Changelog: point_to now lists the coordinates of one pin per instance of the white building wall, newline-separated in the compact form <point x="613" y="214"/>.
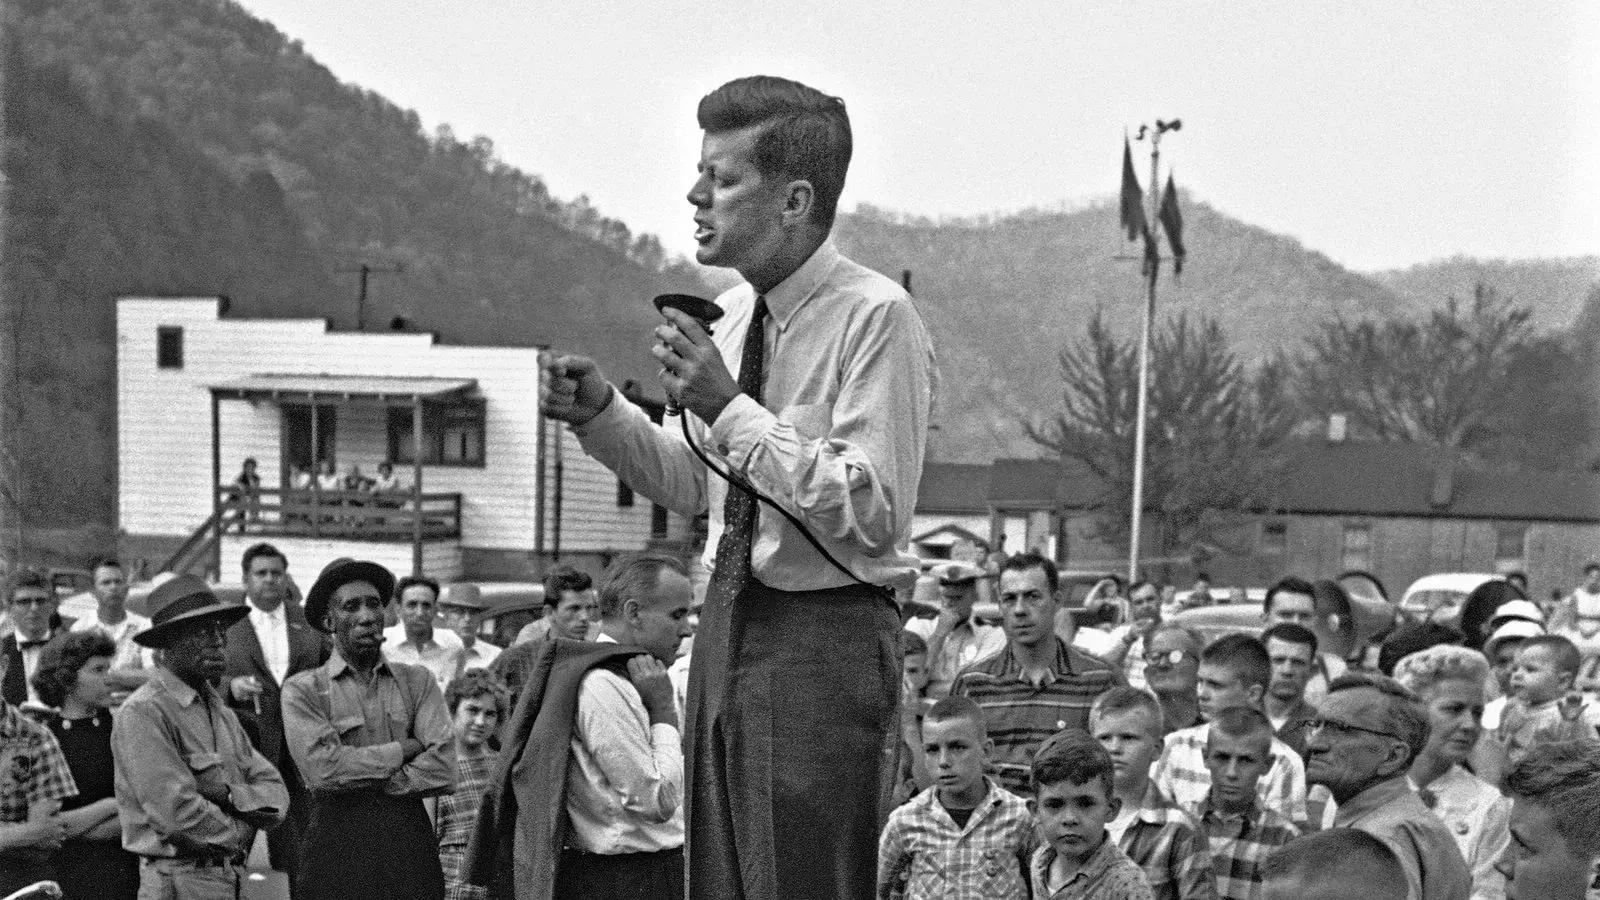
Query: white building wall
<point x="441" y="560"/>
<point x="164" y="425"/>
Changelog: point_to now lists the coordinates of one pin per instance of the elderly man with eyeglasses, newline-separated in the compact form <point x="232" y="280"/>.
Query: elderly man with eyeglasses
<point x="1360" y="746"/>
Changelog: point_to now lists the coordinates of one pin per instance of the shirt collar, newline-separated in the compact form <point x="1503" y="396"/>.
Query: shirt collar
<point x="337" y="665"/>
<point x="603" y="638"/>
<point x="1380" y="794"/>
<point x="1097" y="863"/>
<point x="1154" y="808"/>
<point x="175" y="686"/>
<point x="786" y="298"/>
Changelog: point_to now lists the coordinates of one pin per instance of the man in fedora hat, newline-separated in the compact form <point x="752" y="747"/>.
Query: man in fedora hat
<point x="191" y="790"/>
<point x="372" y="738"/>
<point x="461" y="606"/>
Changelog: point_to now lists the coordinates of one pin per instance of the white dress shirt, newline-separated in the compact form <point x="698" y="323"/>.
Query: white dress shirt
<point x="838" y="440"/>
<point x="272" y="632"/>
<point x="625" y="776"/>
<point x="437" y="654"/>
<point x="129" y="655"/>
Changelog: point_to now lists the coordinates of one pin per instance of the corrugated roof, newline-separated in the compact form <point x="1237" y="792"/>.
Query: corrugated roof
<point x="1043" y="484"/>
<point x="340" y="387"/>
<point x="954" y="488"/>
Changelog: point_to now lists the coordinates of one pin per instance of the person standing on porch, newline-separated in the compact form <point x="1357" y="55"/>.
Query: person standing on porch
<point x="815" y="394"/>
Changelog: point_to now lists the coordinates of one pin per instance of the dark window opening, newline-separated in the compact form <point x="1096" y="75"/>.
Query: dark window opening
<point x="169" y="346"/>
<point x="452" y="434"/>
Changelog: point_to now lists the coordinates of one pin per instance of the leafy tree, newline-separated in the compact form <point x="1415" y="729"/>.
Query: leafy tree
<point x="1216" y="432"/>
<point x="1438" y="379"/>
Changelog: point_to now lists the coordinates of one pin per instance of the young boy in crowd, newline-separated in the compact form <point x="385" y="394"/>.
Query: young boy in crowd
<point x="1543" y="706"/>
<point x="1074" y="786"/>
<point x="477" y="701"/>
<point x="1159" y="837"/>
<point x="965" y="837"/>
<point x="1240" y="831"/>
<point x="911" y="775"/>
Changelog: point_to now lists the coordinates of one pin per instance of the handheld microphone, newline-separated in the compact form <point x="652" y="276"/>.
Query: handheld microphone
<point x="699" y="309"/>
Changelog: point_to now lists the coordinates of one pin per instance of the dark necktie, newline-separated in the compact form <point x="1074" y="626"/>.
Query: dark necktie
<point x="732" y="571"/>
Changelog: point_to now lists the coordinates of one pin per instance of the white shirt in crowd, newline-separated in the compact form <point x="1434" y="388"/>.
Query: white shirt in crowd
<point x="129" y="655"/>
<point x="272" y="632"/>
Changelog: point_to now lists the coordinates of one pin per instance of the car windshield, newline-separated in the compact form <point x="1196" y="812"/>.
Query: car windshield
<point x="1434" y="603"/>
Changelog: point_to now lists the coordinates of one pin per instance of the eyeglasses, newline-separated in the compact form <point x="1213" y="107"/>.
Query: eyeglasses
<point x="1341" y="729"/>
<point x="1167" y="658"/>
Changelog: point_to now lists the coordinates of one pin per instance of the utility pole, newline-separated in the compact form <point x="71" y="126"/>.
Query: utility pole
<point x="367" y="270"/>
<point x="1153" y="271"/>
<point x="10" y="344"/>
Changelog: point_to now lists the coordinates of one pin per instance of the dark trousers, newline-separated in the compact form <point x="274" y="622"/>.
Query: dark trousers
<point x="792" y="699"/>
<point x="364" y="845"/>
<point x="621" y="876"/>
<point x="283" y="842"/>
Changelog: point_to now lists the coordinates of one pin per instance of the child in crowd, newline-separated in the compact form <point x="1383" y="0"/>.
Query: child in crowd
<point x="477" y="701"/>
<point x="1336" y="864"/>
<point x="911" y="775"/>
<point x="1543" y="706"/>
<point x="1159" y="837"/>
<point x="1240" y="831"/>
<point x="1074" y="786"/>
<point x="965" y="837"/>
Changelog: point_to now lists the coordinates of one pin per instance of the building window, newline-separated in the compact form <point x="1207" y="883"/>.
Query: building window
<point x="1510" y="548"/>
<point x="1274" y="537"/>
<point x="452" y="434"/>
<point x="1357" y="548"/>
<point x="169" y="346"/>
<point x="624" y="494"/>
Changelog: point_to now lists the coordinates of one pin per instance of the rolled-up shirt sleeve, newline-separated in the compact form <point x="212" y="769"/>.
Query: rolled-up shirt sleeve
<point x="647" y="457"/>
<point x="433" y="771"/>
<point x="853" y="475"/>
<point x="153" y="773"/>
<point x="326" y="762"/>
<point x="644" y="769"/>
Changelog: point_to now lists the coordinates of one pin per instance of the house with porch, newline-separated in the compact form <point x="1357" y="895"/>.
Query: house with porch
<point x="489" y="489"/>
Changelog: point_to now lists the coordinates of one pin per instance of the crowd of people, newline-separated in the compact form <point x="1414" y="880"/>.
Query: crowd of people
<point x="307" y="486"/>
<point x="373" y="735"/>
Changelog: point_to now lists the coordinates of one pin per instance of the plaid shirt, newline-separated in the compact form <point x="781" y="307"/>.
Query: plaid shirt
<point x="923" y="855"/>
<point x="1107" y="874"/>
<point x="1182" y="776"/>
<point x="457" y="814"/>
<point x="1020" y="715"/>
<point x="1239" y="845"/>
<point x="33" y="769"/>
<point x="1166" y="843"/>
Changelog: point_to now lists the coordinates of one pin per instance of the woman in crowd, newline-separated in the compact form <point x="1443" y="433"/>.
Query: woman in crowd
<point x="91" y="864"/>
<point x="477" y="700"/>
<point x="1450" y="680"/>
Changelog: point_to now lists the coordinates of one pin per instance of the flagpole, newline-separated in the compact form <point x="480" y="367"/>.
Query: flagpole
<point x="1152" y="273"/>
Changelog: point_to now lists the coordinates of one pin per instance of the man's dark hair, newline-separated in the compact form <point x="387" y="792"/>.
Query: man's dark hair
<point x="1564" y="778"/>
<point x="1591" y="566"/>
<point x="1413" y="638"/>
<point x="1022" y="562"/>
<point x="411" y="581"/>
<point x="1242" y="655"/>
<point x="1142" y="582"/>
<point x="1403" y="715"/>
<point x="805" y="134"/>
<point x="1290" y="584"/>
<point x="912" y="644"/>
<point x="61" y="659"/>
<point x="1074" y="756"/>
<point x="958" y="708"/>
<point x="563" y="578"/>
<point x="1291" y="633"/>
<point x="1338" y="856"/>
<point x="632" y="575"/>
<point x="100" y="562"/>
<point x="29" y="577"/>
<point x="1202" y="576"/>
<point x="1567" y="657"/>
<point x="262" y="549"/>
<point x="478" y="683"/>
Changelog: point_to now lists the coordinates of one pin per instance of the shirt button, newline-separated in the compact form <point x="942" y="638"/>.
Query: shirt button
<point x="723" y="449"/>
<point x="1061" y="723"/>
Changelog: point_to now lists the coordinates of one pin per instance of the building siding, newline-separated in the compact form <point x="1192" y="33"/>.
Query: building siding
<point x="441" y="560"/>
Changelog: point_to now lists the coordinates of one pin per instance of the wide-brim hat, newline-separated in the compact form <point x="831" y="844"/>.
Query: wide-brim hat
<point x="464" y="594"/>
<point x="182" y="600"/>
<point x="336" y="575"/>
<point x="959" y="573"/>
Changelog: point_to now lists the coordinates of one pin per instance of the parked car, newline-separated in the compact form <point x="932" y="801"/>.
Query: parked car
<point x="1439" y="597"/>
<point x="512" y="605"/>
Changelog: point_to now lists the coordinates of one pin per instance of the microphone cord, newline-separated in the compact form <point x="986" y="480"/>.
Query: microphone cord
<point x="740" y="484"/>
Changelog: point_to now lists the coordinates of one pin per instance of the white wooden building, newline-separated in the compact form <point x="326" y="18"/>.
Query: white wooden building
<point x="501" y="493"/>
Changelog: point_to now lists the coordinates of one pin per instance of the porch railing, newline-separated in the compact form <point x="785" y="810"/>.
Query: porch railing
<point x="365" y="515"/>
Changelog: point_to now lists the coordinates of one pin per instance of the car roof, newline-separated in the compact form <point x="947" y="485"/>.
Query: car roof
<point x="1465" y="582"/>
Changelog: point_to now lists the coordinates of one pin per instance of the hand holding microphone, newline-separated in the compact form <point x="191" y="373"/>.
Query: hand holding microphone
<point x="692" y="370"/>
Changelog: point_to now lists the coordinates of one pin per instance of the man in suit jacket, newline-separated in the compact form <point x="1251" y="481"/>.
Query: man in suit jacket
<point x="273" y="642"/>
<point x="31" y="604"/>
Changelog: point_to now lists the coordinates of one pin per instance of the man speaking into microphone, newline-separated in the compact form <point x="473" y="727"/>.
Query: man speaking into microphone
<point x="815" y="394"/>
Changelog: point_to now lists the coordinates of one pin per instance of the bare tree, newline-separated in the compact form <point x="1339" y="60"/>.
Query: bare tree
<point x="1216" y="435"/>
<point x="1433" y="380"/>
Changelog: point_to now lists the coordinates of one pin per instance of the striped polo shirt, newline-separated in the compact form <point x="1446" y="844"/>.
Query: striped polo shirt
<point x="1020" y="715"/>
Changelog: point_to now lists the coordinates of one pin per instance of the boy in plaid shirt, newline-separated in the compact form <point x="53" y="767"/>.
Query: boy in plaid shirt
<point x="965" y="837"/>
<point x="1074" y="797"/>
<point x="1160" y="838"/>
<point x="1241" y="832"/>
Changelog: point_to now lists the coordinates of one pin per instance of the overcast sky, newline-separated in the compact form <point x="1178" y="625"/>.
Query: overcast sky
<point x="1381" y="133"/>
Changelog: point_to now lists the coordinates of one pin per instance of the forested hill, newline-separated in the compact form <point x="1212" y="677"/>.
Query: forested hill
<point x="101" y="206"/>
<point x="1002" y="297"/>
<point x="184" y="145"/>
<point x="1555" y="289"/>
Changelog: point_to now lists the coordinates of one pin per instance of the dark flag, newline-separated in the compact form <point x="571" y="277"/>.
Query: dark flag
<point x="1133" y="221"/>
<point x="1172" y="220"/>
